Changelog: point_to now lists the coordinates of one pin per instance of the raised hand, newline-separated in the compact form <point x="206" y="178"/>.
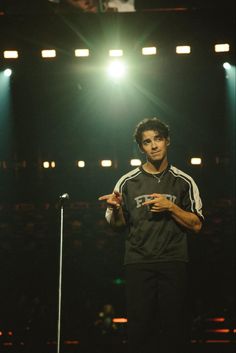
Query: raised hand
<point x="159" y="203"/>
<point x="113" y="200"/>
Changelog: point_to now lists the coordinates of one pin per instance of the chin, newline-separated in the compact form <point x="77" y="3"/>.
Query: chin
<point x="155" y="160"/>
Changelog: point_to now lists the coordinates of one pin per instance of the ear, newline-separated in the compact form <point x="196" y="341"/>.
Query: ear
<point x="168" y="141"/>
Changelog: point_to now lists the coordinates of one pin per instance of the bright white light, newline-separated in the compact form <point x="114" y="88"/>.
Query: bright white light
<point x="106" y="163"/>
<point x="196" y="161"/>
<point x="227" y="66"/>
<point x="48" y="53"/>
<point x="220" y="48"/>
<point x="7" y="72"/>
<point x="183" y="49"/>
<point x="115" y="52"/>
<point x="81" y="164"/>
<point x="149" y="51"/>
<point x="116" y="69"/>
<point x="53" y="164"/>
<point x="10" y="54"/>
<point x="46" y="165"/>
<point x="135" y="162"/>
<point x="81" y="52"/>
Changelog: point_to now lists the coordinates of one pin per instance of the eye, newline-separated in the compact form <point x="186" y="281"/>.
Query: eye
<point x="158" y="138"/>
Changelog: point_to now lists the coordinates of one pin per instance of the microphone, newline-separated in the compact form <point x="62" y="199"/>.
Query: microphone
<point x="64" y="197"/>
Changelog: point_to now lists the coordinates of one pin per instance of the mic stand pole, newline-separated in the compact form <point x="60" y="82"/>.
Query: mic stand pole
<point x="62" y="199"/>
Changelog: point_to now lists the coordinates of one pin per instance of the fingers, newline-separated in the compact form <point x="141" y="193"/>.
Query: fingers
<point x="105" y="197"/>
<point x="155" y="195"/>
<point x="114" y="197"/>
<point x="117" y="194"/>
<point x="149" y="202"/>
<point x="155" y="199"/>
<point x="113" y="200"/>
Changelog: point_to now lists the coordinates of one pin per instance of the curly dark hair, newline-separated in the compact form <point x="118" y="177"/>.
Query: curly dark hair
<point x="150" y="124"/>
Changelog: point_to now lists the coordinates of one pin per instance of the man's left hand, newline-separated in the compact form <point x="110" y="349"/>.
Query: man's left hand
<point x="159" y="203"/>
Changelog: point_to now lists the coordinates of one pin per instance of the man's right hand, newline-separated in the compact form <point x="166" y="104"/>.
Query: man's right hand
<point x="113" y="200"/>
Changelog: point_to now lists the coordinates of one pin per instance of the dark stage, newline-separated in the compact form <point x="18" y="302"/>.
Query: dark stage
<point x="61" y="116"/>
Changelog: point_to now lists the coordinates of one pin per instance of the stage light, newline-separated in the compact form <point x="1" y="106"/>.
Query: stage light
<point x="196" y="161"/>
<point x="46" y="165"/>
<point x="106" y="163"/>
<point x="116" y="69"/>
<point x="135" y="162"/>
<point x="10" y="54"/>
<point x="221" y="48"/>
<point x="119" y="320"/>
<point x="183" y="49"/>
<point x="81" y="164"/>
<point x="149" y="51"/>
<point x="81" y="52"/>
<point x="7" y="72"/>
<point x="115" y="52"/>
<point x="53" y="164"/>
<point x="227" y="66"/>
<point x="219" y="330"/>
<point x="216" y="319"/>
<point x="118" y="281"/>
<point x="48" y="53"/>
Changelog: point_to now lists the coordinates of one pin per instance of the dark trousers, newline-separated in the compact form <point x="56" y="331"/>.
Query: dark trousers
<point x="156" y="294"/>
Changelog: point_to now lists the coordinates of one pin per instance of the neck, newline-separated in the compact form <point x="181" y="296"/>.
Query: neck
<point x="155" y="166"/>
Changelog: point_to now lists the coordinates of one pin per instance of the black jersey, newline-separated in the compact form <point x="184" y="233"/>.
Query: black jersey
<point x="154" y="237"/>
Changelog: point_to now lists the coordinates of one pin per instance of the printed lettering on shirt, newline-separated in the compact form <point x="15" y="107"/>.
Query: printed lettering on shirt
<point x="143" y="198"/>
<point x="169" y="197"/>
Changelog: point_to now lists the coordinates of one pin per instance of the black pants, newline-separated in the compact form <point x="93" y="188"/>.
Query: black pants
<point x="156" y="294"/>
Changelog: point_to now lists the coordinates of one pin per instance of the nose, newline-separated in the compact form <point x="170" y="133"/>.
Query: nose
<point x="154" y="145"/>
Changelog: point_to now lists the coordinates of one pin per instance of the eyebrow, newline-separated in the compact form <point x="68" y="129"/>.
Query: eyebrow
<point x="157" y="134"/>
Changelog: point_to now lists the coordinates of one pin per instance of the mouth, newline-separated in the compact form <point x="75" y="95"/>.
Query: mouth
<point x="155" y="153"/>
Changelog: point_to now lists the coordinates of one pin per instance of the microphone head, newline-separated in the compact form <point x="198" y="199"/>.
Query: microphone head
<point x="64" y="196"/>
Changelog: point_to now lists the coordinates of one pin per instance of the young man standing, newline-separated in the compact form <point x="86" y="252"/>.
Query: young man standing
<point x="160" y="205"/>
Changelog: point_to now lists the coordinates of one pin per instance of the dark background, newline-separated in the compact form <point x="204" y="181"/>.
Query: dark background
<point x="66" y="109"/>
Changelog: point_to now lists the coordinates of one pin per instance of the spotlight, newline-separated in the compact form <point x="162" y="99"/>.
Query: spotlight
<point x="48" y="53"/>
<point x="119" y="320"/>
<point x="220" y="48"/>
<point x="7" y="72"/>
<point x="10" y="54"/>
<point x="46" y="165"/>
<point x="106" y="163"/>
<point x="81" y="52"/>
<point x="116" y="69"/>
<point x="115" y="52"/>
<point x="81" y="164"/>
<point x="227" y="66"/>
<point x="183" y="49"/>
<point x="135" y="162"/>
<point x="196" y="161"/>
<point x="149" y="51"/>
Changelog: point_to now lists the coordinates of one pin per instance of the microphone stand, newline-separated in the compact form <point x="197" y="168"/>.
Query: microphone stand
<point x="62" y="198"/>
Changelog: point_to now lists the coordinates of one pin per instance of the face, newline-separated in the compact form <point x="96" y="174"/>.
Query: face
<point x="154" y="145"/>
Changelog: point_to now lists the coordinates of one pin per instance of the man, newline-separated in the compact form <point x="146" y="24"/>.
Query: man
<point x="160" y="205"/>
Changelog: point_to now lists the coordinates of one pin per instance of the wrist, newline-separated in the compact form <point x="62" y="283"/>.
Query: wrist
<point x="171" y="206"/>
<point x="114" y="207"/>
